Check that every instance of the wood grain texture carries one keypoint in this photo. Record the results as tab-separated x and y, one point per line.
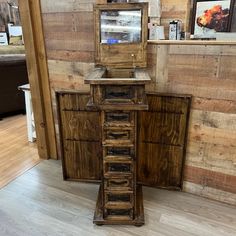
17	154
206	72
80	138
161	141
171	9
121	55
211	193
49	205
212	156
204	69
38	78
211	179
34	73
67	6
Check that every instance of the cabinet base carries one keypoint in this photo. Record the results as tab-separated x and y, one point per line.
138	217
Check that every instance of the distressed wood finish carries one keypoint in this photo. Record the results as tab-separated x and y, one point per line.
119	89
211	137
172	9
121	55
209	148
162	134
81	138
38	78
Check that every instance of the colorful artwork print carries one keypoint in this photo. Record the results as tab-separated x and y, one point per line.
211	17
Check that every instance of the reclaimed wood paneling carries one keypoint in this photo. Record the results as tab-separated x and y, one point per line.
211	179
172	10
208	73
211	156
69	36
211	193
66	6
209	104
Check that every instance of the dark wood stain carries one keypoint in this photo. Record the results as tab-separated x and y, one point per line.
81	138
161	141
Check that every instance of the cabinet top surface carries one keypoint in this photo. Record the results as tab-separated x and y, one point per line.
118	77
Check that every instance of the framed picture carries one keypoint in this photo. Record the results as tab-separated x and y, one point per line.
211	16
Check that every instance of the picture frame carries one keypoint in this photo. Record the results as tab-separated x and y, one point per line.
211	16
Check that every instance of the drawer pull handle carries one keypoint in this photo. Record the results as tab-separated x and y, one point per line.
118	117
118	212
111	95
117	135
119	183
119	152
119	167
118	198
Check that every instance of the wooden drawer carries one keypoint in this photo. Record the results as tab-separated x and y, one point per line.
114	135
118	97
119	200
117	168
118	214
119	184
118	118
118	151
118	94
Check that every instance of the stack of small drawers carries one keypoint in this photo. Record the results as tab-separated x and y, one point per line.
119	129
119	100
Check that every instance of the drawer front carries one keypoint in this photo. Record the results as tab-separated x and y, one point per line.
114	168
114	200
118	214
119	117
119	152
118	136
118	94
125	184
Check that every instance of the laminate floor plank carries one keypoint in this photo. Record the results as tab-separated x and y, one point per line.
17	155
39	203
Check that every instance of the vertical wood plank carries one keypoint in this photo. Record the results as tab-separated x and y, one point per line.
38	77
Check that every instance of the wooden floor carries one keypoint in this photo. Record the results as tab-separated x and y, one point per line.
39	202
16	154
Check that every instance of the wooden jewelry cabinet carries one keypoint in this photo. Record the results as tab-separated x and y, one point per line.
117	90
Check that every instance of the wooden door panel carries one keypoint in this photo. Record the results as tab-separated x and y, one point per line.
160	165
74	101
81	125
80	138
163	128
162	141
82	160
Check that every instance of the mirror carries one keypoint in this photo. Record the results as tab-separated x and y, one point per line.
121	26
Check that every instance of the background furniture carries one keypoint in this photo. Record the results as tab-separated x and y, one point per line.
13	73
29	112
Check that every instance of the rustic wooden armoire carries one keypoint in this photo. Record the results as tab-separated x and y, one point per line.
119	135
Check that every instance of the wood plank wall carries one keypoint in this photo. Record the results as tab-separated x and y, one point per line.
175	10
207	72
69	39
